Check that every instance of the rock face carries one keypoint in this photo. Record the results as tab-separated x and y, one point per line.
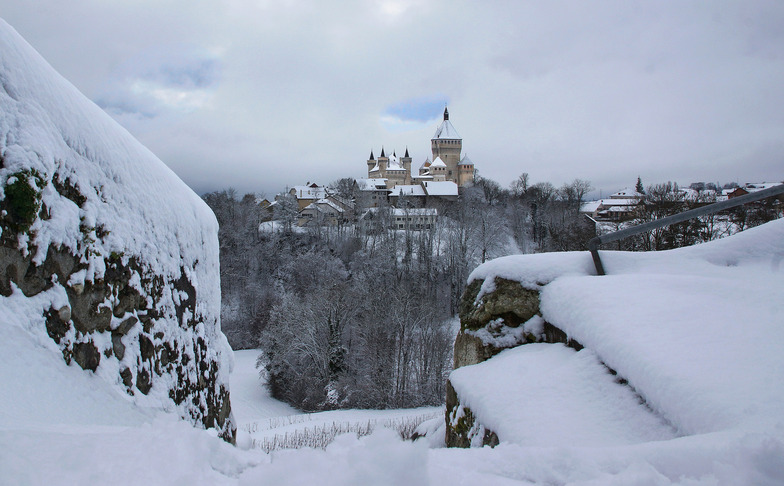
103	250
491	321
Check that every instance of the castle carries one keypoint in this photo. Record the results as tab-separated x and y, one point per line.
446	165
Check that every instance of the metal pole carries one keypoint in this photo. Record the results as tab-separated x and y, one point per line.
595	243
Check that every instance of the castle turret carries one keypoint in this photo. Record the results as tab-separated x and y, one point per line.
383	162
405	161
371	163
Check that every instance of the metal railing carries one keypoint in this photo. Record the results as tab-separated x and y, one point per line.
593	244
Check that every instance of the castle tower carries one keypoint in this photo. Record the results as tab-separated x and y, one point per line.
383	161
447	144
371	163
405	161
465	172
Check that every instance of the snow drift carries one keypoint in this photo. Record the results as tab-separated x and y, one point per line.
106	257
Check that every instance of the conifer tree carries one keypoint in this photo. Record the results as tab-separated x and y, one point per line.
639	187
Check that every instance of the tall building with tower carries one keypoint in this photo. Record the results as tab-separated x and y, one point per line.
446	164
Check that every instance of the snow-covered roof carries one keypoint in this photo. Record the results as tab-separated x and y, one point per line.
394	163
759	186
626	193
309	192
438	163
619	202
407	190
324	206
465	161
590	206
414	212
372	184
425	164
440	188
446	131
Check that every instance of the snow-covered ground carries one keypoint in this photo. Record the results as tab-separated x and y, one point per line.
63	425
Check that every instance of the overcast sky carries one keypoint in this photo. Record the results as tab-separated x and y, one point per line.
263	94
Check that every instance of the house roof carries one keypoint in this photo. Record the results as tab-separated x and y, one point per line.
372	184
626	193
308	192
758	186
590	206
408	190
619	202
414	212
438	163
440	188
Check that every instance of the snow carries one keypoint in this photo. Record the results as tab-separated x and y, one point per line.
557	397
308	192
446	131
440	188
373	184
249	400
407	190
627	193
125	445
438	162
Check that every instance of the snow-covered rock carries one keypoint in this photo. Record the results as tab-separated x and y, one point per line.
668	345
106	257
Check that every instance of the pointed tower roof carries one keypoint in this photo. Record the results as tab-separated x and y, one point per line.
371	155
465	161
382	152
446	131
406	152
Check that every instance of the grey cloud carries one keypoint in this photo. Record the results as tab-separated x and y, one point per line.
276	93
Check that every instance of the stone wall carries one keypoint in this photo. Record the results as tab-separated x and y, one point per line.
124	320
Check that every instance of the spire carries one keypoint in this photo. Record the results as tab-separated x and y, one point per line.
446	113
382	152
406	153
371	155
394	153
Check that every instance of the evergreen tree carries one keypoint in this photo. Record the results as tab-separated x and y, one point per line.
639	188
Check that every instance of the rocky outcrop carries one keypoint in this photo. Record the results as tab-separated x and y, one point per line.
103	250
494	316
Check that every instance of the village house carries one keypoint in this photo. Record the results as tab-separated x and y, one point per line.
620	206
